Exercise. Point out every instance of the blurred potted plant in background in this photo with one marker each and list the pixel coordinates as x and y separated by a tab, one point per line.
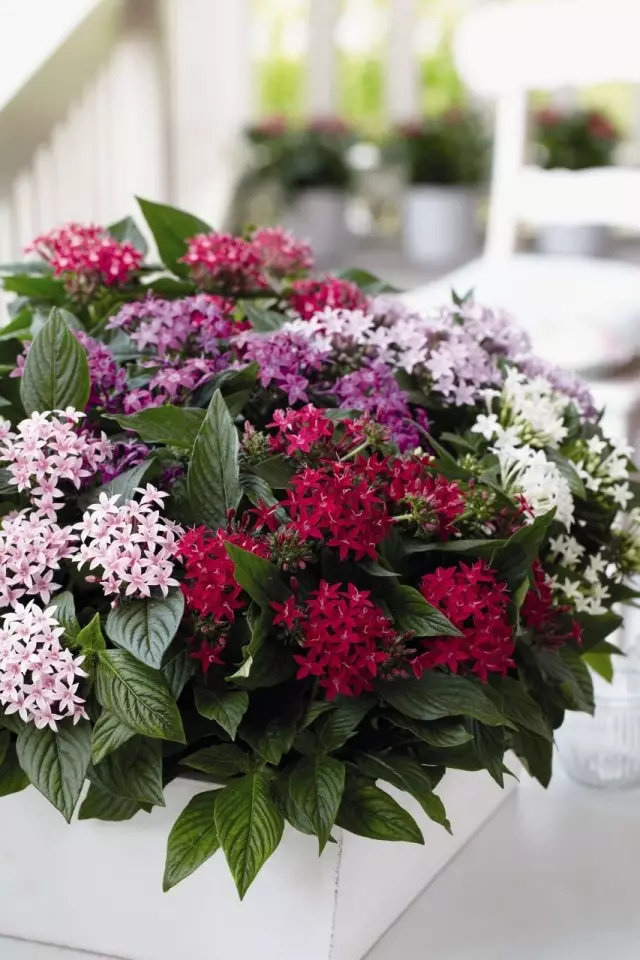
576	139
445	160
310	166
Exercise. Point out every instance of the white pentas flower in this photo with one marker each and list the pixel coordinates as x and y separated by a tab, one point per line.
528	472
529	411
603	466
39	678
566	551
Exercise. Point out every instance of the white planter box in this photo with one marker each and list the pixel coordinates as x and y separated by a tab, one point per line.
579	240
97	886
319	216
440	224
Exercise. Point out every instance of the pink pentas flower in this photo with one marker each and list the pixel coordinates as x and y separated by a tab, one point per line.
89	254
39	678
48	449
220	259
282	254
131	545
31	548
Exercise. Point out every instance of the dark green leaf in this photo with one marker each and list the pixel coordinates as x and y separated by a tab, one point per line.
437	733
477	548
56	763
368	811
124	485
193	839
109	733
368	282
489	746
249	827
271	739
65	613
335	727
227	707
36	288
222	761
276	471
56	374
536	755
90	637
171	228
600	663
177	671
133	771
316	785
213	480
436	695
172	426
127	231
412	614
268	661
375	569
236	402
99	804
257	577
513	560
147	626
578	689
13	779
264	321
138	695
514	703
5	740
401	772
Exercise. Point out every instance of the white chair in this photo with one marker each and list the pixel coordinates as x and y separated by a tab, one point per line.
581	313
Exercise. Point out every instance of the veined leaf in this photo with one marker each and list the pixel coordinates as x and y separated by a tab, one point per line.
257	577
138	695
193	839
109	733
368	811
316	786
56	374
56	763
99	804
413	614
172	426
171	228
145	627
226	707
436	695
133	771
222	760
213	478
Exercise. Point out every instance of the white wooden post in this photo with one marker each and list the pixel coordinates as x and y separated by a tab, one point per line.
208	48
402	77
322	86
508	159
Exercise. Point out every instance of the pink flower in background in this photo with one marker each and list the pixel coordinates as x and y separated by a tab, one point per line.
88	253
31	548
38	677
216	259
47	449
131	544
281	253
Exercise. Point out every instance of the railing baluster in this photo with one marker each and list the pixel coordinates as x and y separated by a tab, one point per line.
322	60
402	78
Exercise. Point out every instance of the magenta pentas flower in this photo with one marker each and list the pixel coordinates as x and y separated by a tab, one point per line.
287	361
131	544
220	259
88	255
47	449
374	389
39	678
108	380
32	545
282	254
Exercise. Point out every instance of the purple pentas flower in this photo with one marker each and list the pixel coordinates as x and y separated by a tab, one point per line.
373	389
287	361
124	456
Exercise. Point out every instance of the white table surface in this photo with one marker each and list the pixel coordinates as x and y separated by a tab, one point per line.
553	876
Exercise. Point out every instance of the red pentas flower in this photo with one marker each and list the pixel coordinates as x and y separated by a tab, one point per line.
89	254
476	602
345	637
338	504
309	297
435	503
299	430
220	259
209	585
282	254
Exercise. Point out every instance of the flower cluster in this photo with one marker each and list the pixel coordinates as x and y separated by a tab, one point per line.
132	546
39	679
191	325
220	259
476	603
435	503
281	254
373	389
32	545
87	256
310	297
286	359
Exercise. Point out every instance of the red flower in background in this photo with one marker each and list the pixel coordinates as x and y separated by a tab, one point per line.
89	253
309	297
477	603
222	259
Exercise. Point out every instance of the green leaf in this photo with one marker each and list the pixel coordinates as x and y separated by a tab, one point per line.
177	671
578	689
368	282
600	663
368	811
109	733
477	548
257	577
271	739
169	425
375	569
401	772
437	694
146	627
268	661
227	708
193	839
13	779
171	228
127	231
437	733
264	321
138	696
236	402
276	471
133	771
56	763
125	484
36	288
536	755
316	785
249	827
221	761
213	478
489	746
412	614
65	613
514	703
90	637
568	471
56	374
5	740
512	561
335	727
99	804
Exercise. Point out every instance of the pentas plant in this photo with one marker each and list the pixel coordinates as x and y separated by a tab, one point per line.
285	536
